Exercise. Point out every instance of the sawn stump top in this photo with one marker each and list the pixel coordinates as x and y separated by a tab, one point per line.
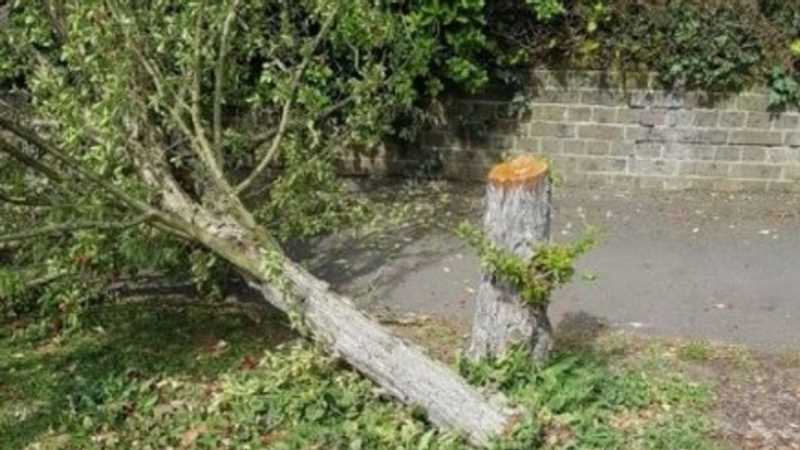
520	170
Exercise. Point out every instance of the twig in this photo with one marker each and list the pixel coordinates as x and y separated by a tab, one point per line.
409	320
47	279
55	11
261	138
22	201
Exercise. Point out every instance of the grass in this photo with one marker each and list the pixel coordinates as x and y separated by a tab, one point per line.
153	377
702	351
789	359
47	386
696	351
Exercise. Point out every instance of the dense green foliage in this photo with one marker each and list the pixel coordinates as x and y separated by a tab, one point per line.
105	81
705	50
143	376
112	79
719	46
116	85
551	266
72	68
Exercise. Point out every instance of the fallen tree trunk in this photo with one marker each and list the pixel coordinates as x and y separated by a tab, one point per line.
165	117
222	224
401	369
517	218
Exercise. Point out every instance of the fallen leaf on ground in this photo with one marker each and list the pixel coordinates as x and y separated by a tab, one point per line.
191	435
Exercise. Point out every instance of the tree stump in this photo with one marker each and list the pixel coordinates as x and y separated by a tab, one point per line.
517	218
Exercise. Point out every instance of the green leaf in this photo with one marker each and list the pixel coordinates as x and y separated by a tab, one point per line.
794	47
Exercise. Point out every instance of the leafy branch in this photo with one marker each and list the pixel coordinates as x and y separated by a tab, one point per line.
51	149
219	73
70	227
294	86
551	266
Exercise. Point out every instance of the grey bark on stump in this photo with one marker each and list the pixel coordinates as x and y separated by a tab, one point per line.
517	217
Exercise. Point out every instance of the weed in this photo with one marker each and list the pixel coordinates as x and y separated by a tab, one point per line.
551	266
696	350
582	397
789	359
700	351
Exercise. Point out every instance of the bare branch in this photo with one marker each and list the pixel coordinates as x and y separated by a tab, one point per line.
219	74
70	227
287	107
47	279
149	283
4	13
207	152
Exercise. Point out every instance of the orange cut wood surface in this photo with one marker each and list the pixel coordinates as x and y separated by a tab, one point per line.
520	170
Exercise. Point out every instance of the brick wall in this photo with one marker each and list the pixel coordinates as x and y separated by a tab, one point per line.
609	129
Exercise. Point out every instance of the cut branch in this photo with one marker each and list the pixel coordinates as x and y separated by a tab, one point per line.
401	369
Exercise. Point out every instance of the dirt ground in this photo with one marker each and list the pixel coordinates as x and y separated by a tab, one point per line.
713	268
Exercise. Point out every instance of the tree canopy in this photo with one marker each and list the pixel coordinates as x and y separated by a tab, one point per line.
111	97
143	128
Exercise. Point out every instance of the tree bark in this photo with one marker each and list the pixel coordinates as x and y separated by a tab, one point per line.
517	217
401	369
221	223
